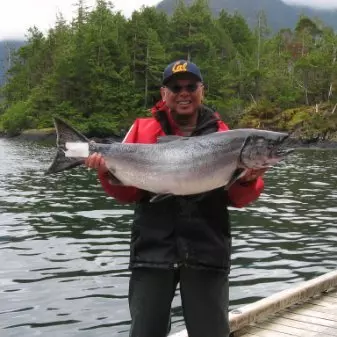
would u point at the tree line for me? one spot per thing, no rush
(102, 70)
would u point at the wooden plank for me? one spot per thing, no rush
(300, 320)
(309, 319)
(253, 312)
(309, 310)
(270, 330)
(316, 307)
(323, 303)
(327, 299)
(265, 332)
(243, 332)
(271, 325)
(313, 313)
(334, 295)
(273, 333)
(291, 325)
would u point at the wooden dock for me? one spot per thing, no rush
(308, 310)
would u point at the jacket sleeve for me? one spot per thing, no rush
(242, 194)
(123, 194)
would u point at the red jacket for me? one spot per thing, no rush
(147, 130)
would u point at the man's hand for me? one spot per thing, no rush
(252, 175)
(96, 161)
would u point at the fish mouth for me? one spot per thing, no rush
(281, 150)
(277, 156)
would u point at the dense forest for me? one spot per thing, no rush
(102, 70)
(280, 14)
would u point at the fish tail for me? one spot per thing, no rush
(72, 148)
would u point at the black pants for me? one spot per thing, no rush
(204, 297)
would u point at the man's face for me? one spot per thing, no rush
(183, 94)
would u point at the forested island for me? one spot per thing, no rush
(102, 70)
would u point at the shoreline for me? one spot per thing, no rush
(49, 136)
(298, 143)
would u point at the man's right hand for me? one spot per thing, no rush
(97, 162)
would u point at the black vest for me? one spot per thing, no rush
(192, 231)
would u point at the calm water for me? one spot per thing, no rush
(64, 244)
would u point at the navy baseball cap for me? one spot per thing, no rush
(181, 66)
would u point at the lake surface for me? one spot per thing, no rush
(64, 243)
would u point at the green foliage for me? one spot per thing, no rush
(308, 25)
(17, 118)
(101, 70)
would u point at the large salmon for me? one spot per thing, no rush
(175, 165)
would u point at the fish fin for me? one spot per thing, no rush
(238, 173)
(192, 197)
(161, 197)
(188, 198)
(171, 138)
(114, 180)
(198, 197)
(66, 137)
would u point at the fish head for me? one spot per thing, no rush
(264, 149)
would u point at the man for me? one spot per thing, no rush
(185, 240)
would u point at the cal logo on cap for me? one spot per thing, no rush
(179, 67)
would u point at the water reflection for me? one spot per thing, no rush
(64, 244)
(292, 231)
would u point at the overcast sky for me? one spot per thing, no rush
(314, 3)
(16, 16)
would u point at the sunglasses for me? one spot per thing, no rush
(192, 87)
